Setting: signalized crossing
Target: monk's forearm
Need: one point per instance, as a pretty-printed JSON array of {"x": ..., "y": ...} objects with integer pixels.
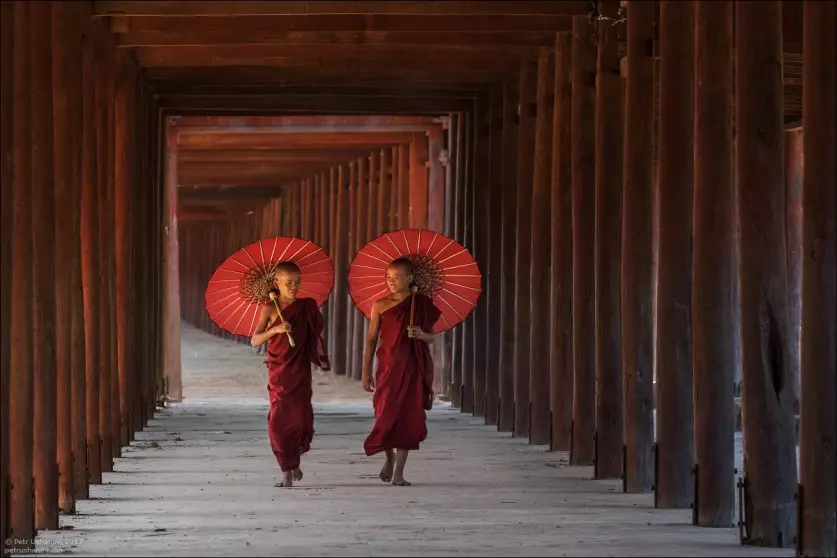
[
  {"x": 261, "y": 338},
  {"x": 368, "y": 351},
  {"x": 429, "y": 338}
]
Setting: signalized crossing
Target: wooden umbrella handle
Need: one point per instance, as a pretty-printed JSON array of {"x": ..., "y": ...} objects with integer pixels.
[{"x": 274, "y": 298}]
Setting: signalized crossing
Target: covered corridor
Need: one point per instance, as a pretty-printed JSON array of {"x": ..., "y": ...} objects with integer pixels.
[{"x": 649, "y": 191}]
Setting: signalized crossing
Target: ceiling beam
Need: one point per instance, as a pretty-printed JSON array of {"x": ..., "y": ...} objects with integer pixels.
[
  {"x": 321, "y": 7},
  {"x": 244, "y": 140},
  {"x": 329, "y": 104},
  {"x": 351, "y": 120}
]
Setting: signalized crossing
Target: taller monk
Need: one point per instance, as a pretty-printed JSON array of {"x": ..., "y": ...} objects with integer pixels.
[
  {"x": 403, "y": 383},
  {"x": 290, "y": 421}
]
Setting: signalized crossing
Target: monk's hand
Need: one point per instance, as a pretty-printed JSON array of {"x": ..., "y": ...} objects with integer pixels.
[
  {"x": 282, "y": 328},
  {"x": 368, "y": 383},
  {"x": 415, "y": 332}
]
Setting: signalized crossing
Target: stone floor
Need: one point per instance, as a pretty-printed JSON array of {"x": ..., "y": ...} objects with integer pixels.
[{"x": 199, "y": 480}]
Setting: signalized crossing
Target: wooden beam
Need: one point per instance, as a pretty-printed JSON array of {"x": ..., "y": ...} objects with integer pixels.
[
  {"x": 330, "y": 104},
  {"x": 338, "y": 8},
  {"x": 268, "y": 36},
  {"x": 289, "y": 141}
]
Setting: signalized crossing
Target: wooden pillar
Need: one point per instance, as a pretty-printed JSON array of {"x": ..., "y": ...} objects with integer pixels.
[
  {"x": 65, "y": 100},
  {"x": 348, "y": 318},
  {"x": 436, "y": 185},
  {"x": 419, "y": 186},
  {"x": 43, "y": 295},
  {"x": 584, "y": 212},
  {"x": 341, "y": 269},
  {"x": 469, "y": 326},
  {"x": 817, "y": 531},
  {"x": 457, "y": 351},
  {"x": 540, "y": 264},
  {"x": 493, "y": 238},
  {"x": 525, "y": 170},
  {"x": 712, "y": 318},
  {"x": 171, "y": 294},
  {"x": 480, "y": 206},
  {"x": 124, "y": 171},
  {"x": 89, "y": 230},
  {"x": 638, "y": 250},
  {"x": 448, "y": 230},
  {"x": 508, "y": 256},
  {"x": 7, "y": 80},
  {"x": 396, "y": 186},
  {"x": 675, "y": 424},
  {"x": 333, "y": 252},
  {"x": 362, "y": 210},
  {"x": 608, "y": 244},
  {"x": 767, "y": 392},
  {"x": 561, "y": 254},
  {"x": 404, "y": 181},
  {"x": 21, "y": 373}
]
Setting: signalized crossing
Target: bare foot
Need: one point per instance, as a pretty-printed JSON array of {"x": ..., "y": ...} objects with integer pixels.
[
  {"x": 287, "y": 481},
  {"x": 400, "y": 482},
  {"x": 297, "y": 474},
  {"x": 389, "y": 465}
]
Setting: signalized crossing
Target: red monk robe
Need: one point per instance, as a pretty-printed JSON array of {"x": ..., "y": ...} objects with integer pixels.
[
  {"x": 291, "y": 417},
  {"x": 404, "y": 379}
]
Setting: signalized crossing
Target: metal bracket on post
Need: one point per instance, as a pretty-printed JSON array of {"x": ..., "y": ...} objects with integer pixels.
[
  {"x": 696, "y": 496},
  {"x": 655, "y": 487},
  {"x": 624, "y": 468}
]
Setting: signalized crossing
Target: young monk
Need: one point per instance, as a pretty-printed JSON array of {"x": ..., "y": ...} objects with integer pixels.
[
  {"x": 403, "y": 384},
  {"x": 290, "y": 421}
]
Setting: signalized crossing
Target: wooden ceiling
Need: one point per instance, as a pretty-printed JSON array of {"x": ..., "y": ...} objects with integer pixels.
[{"x": 351, "y": 58}]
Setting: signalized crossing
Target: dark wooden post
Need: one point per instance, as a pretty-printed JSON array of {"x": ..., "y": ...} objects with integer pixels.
[
  {"x": 713, "y": 358},
  {"x": 348, "y": 318},
  {"x": 494, "y": 239},
  {"x": 419, "y": 182},
  {"x": 584, "y": 212},
  {"x": 468, "y": 329},
  {"x": 525, "y": 171},
  {"x": 171, "y": 295},
  {"x": 767, "y": 392},
  {"x": 675, "y": 423},
  {"x": 65, "y": 84},
  {"x": 43, "y": 295},
  {"x": 817, "y": 532},
  {"x": 404, "y": 180},
  {"x": 89, "y": 230},
  {"x": 436, "y": 184},
  {"x": 362, "y": 210},
  {"x": 609, "y": 157},
  {"x": 457, "y": 351},
  {"x": 396, "y": 186},
  {"x": 333, "y": 252},
  {"x": 638, "y": 249},
  {"x": 341, "y": 269},
  {"x": 478, "y": 244},
  {"x": 7, "y": 80},
  {"x": 21, "y": 373},
  {"x": 794, "y": 163},
  {"x": 508, "y": 257},
  {"x": 540, "y": 261},
  {"x": 561, "y": 253}
]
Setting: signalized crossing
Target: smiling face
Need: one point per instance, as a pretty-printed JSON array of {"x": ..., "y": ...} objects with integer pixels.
[
  {"x": 287, "y": 283},
  {"x": 398, "y": 278}
]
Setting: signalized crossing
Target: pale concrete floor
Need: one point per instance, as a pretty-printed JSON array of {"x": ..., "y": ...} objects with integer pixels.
[{"x": 200, "y": 479}]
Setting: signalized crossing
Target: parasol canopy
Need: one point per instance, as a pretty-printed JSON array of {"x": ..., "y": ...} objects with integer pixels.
[
  {"x": 241, "y": 285},
  {"x": 444, "y": 271}
]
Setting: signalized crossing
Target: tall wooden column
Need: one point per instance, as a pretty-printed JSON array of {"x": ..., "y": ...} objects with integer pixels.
[
  {"x": 609, "y": 133},
  {"x": 171, "y": 267},
  {"x": 419, "y": 185},
  {"x": 638, "y": 249},
  {"x": 333, "y": 252},
  {"x": 481, "y": 194},
  {"x": 362, "y": 205},
  {"x": 7, "y": 80},
  {"x": 21, "y": 372},
  {"x": 89, "y": 230},
  {"x": 341, "y": 269},
  {"x": 817, "y": 531},
  {"x": 525, "y": 172},
  {"x": 584, "y": 214},
  {"x": 468, "y": 330},
  {"x": 508, "y": 257},
  {"x": 675, "y": 423},
  {"x": 794, "y": 164},
  {"x": 494, "y": 239},
  {"x": 64, "y": 34},
  {"x": 767, "y": 392},
  {"x": 457, "y": 352},
  {"x": 712, "y": 318},
  {"x": 348, "y": 318},
  {"x": 540, "y": 266},
  {"x": 43, "y": 295},
  {"x": 561, "y": 254}
]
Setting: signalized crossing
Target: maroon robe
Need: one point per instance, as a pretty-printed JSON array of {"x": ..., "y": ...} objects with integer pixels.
[
  {"x": 290, "y": 421},
  {"x": 404, "y": 379}
]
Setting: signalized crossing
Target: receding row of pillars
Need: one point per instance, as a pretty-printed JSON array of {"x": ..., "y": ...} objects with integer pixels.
[
  {"x": 608, "y": 269},
  {"x": 81, "y": 319}
]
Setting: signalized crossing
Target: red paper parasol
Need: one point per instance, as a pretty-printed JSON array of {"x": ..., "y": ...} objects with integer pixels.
[
  {"x": 242, "y": 284},
  {"x": 445, "y": 272}
]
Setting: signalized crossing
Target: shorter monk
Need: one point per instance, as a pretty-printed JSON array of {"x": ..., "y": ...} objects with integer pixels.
[
  {"x": 290, "y": 421},
  {"x": 403, "y": 383}
]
